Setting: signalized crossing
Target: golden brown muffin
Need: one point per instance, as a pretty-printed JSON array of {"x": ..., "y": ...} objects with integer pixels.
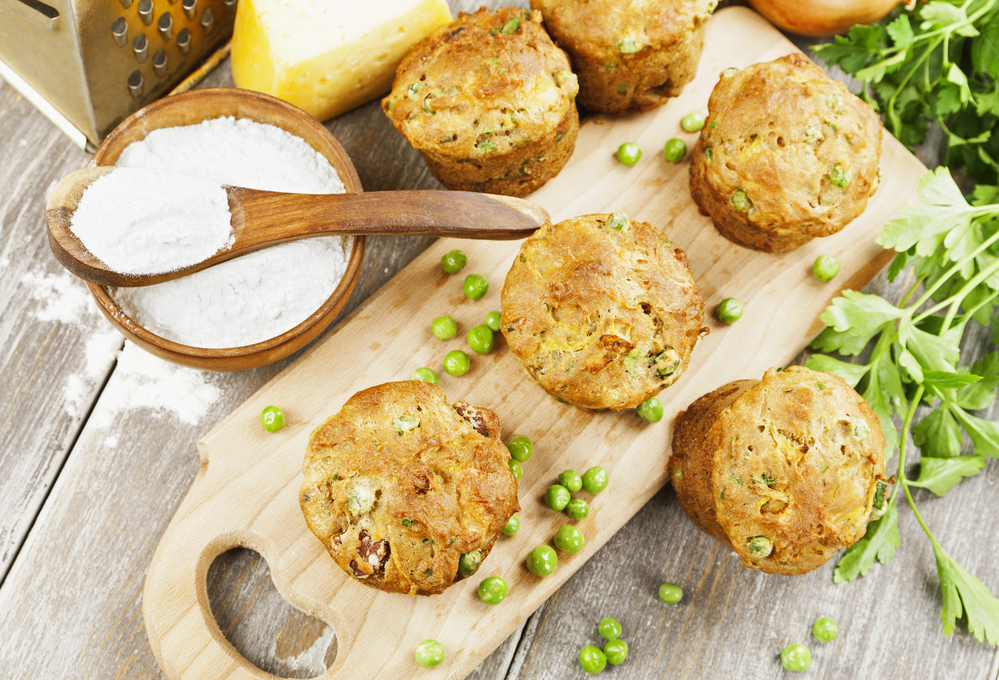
[
  {"x": 630, "y": 55},
  {"x": 400, "y": 485},
  {"x": 602, "y": 312},
  {"x": 786, "y": 154},
  {"x": 785, "y": 471},
  {"x": 489, "y": 101}
]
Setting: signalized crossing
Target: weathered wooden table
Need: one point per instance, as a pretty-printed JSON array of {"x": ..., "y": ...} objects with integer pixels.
[{"x": 89, "y": 478}]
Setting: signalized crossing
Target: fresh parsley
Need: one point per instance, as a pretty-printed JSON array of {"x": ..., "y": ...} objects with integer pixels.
[{"x": 952, "y": 246}]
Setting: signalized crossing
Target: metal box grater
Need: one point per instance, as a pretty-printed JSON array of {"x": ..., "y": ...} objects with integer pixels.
[{"x": 95, "y": 62}]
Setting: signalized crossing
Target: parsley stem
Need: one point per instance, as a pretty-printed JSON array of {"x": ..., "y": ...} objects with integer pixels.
[
  {"x": 955, "y": 268},
  {"x": 901, "y": 464},
  {"x": 954, "y": 301}
]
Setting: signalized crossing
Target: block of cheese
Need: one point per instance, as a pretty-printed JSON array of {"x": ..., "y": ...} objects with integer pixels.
[{"x": 327, "y": 56}]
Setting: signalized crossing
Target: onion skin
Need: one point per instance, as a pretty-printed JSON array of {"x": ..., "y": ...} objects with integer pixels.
[{"x": 822, "y": 17}]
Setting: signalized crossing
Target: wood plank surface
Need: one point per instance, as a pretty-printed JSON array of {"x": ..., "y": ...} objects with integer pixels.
[{"x": 71, "y": 608}]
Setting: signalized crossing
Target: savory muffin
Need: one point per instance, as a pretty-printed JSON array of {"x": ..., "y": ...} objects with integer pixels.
[
  {"x": 602, "y": 311},
  {"x": 407, "y": 492},
  {"x": 786, "y": 154},
  {"x": 785, "y": 470},
  {"x": 489, "y": 101},
  {"x": 630, "y": 55}
]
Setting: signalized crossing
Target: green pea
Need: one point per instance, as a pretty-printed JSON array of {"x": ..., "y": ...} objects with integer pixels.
[
  {"x": 595, "y": 480},
  {"x": 430, "y": 653},
  {"x": 444, "y": 327},
  {"x": 609, "y": 628},
  {"x": 521, "y": 448},
  {"x": 453, "y": 262},
  {"x": 825, "y": 629},
  {"x": 493, "y": 590},
  {"x": 571, "y": 480},
  {"x": 826, "y": 268},
  {"x": 729, "y": 311},
  {"x": 741, "y": 201},
  {"x": 512, "y": 525},
  {"x": 796, "y": 657},
  {"x": 493, "y": 320},
  {"x": 480, "y": 339},
  {"x": 760, "y": 546},
  {"x": 511, "y": 26},
  {"x": 592, "y": 659},
  {"x": 629, "y": 153},
  {"x": 729, "y": 72},
  {"x": 469, "y": 563},
  {"x": 577, "y": 509},
  {"x": 692, "y": 122},
  {"x": 651, "y": 410},
  {"x": 675, "y": 150},
  {"x": 708, "y": 155},
  {"x": 516, "y": 469},
  {"x": 618, "y": 221},
  {"x": 542, "y": 561},
  {"x": 629, "y": 46},
  {"x": 616, "y": 651},
  {"x": 569, "y": 539},
  {"x": 426, "y": 375},
  {"x": 670, "y": 593},
  {"x": 475, "y": 286},
  {"x": 557, "y": 497},
  {"x": 839, "y": 177},
  {"x": 456, "y": 362},
  {"x": 272, "y": 418}
]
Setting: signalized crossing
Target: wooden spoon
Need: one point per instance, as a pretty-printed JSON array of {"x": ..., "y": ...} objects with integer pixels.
[{"x": 266, "y": 218}]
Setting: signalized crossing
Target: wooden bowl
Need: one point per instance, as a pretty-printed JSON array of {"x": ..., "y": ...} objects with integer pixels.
[{"x": 191, "y": 108}]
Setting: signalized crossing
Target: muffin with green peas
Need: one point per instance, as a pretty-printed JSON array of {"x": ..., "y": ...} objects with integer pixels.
[
  {"x": 630, "y": 55},
  {"x": 407, "y": 492},
  {"x": 602, "y": 311},
  {"x": 787, "y": 154},
  {"x": 489, "y": 101},
  {"x": 785, "y": 470}
]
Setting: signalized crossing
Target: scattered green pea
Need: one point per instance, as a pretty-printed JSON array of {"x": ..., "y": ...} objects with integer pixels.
[
  {"x": 741, "y": 201},
  {"x": 272, "y": 418},
  {"x": 616, "y": 651},
  {"x": 542, "y": 561},
  {"x": 577, "y": 509},
  {"x": 609, "y": 628},
  {"x": 595, "y": 480},
  {"x": 592, "y": 659},
  {"x": 516, "y": 469},
  {"x": 825, "y": 629},
  {"x": 444, "y": 327},
  {"x": 692, "y": 122},
  {"x": 493, "y": 590},
  {"x": 729, "y": 311},
  {"x": 826, "y": 268},
  {"x": 469, "y": 563},
  {"x": 493, "y": 320},
  {"x": 651, "y": 410},
  {"x": 512, "y": 526},
  {"x": 521, "y": 448},
  {"x": 430, "y": 653},
  {"x": 796, "y": 657},
  {"x": 456, "y": 362},
  {"x": 569, "y": 539},
  {"x": 426, "y": 375},
  {"x": 571, "y": 480},
  {"x": 557, "y": 497},
  {"x": 670, "y": 593},
  {"x": 453, "y": 262},
  {"x": 675, "y": 150},
  {"x": 480, "y": 339},
  {"x": 629, "y": 153},
  {"x": 475, "y": 286}
]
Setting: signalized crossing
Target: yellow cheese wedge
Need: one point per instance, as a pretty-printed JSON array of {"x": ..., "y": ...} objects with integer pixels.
[{"x": 327, "y": 56}]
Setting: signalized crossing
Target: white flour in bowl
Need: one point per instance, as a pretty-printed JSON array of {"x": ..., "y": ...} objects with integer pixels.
[{"x": 254, "y": 297}]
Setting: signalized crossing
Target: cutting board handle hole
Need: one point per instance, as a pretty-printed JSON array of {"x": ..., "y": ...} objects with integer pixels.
[{"x": 263, "y": 627}]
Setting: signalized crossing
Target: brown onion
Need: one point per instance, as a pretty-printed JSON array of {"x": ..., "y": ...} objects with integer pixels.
[{"x": 822, "y": 17}]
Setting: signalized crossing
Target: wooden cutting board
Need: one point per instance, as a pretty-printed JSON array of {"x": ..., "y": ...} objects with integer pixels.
[{"x": 246, "y": 492}]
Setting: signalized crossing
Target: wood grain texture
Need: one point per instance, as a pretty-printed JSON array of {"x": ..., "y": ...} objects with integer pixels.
[{"x": 377, "y": 631}]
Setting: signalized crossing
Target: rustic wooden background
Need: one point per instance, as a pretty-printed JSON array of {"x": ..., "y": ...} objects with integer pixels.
[{"x": 86, "y": 493}]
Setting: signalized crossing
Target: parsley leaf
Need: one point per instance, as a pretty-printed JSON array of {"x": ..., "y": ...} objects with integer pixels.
[
  {"x": 941, "y": 209},
  {"x": 958, "y": 588},
  {"x": 938, "y": 434},
  {"x": 851, "y": 373},
  {"x": 984, "y": 433},
  {"x": 859, "y": 314},
  {"x": 879, "y": 543},
  {"x": 981, "y": 394},
  {"x": 940, "y": 475}
]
